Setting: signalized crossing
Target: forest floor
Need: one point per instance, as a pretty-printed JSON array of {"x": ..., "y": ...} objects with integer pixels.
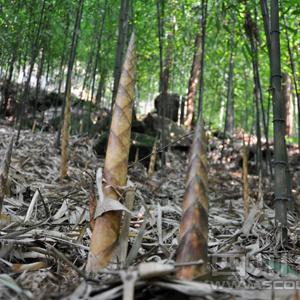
[{"x": 45, "y": 235}]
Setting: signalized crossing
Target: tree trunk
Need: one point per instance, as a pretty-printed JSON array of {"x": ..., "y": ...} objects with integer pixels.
[
  {"x": 249, "y": 28},
  {"x": 71, "y": 62},
  {"x": 265, "y": 13},
  {"x": 245, "y": 121},
  {"x": 287, "y": 104},
  {"x": 162, "y": 110},
  {"x": 3, "y": 54},
  {"x": 33, "y": 57},
  {"x": 3, "y": 96},
  {"x": 231, "y": 66},
  {"x": 293, "y": 71},
  {"x": 96, "y": 63},
  {"x": 193, "y": 82},
  {"x": 7, "y": 85},
  {"x": 101, "y": 87},
  {"x": 230, "y": 114},
  {"x": 123, "y": 21},
  {"x": 63, "y": 173},
  {"x": 279, "y": 151},
  {"x": 166, "y": 78},
  {"x": 265, "y": 123},
  {"x": 289, "y": 192},
  {"x": 204, "y": 16},
  {"x": 124, "y": 35},
  {"x": 89, "y": 66},
  {"x": 46, "y": 80},
  {"x": 181, "y": 101},
  {"x": 38, "y": 80},
  {"x": 61, "y": 69}
]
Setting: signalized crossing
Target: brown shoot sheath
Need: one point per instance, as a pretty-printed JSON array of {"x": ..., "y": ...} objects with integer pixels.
[
  {"x": 106, "y": 227},
  {"x": 194, "y": 223}
]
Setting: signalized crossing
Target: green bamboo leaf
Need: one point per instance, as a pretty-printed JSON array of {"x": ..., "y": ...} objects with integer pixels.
[
  {"x": 218, "y": 24},
  {"x": 280, "y": 268},
  {"x": 135, "y": 249},
  {"x": 10, "y": 283},
  {"x": 227, "y": 28},
  {"x": 290, "y": 29},
  {"x": 246, "y": 55},
  {"x": 248, "y": 49}
]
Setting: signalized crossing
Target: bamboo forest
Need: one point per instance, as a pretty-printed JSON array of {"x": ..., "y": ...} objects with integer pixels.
[{"x": 149, "y": 149}]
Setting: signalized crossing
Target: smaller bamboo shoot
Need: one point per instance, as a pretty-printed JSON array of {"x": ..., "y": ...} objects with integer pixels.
[
  {"x": 4, "y": 169},
  {"x": 193, "y": 234}
]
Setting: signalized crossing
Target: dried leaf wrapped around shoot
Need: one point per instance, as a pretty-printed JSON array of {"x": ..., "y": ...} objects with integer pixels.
[
  {"x": 4, "y": 169},
  {"x": 106, "y": 227},
  {"x": 93, "y": 204},
  {"x": 194, "y": 223}
]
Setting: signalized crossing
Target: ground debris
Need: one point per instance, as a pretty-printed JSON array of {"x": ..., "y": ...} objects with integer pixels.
[{"x": 45, "y": 233}]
